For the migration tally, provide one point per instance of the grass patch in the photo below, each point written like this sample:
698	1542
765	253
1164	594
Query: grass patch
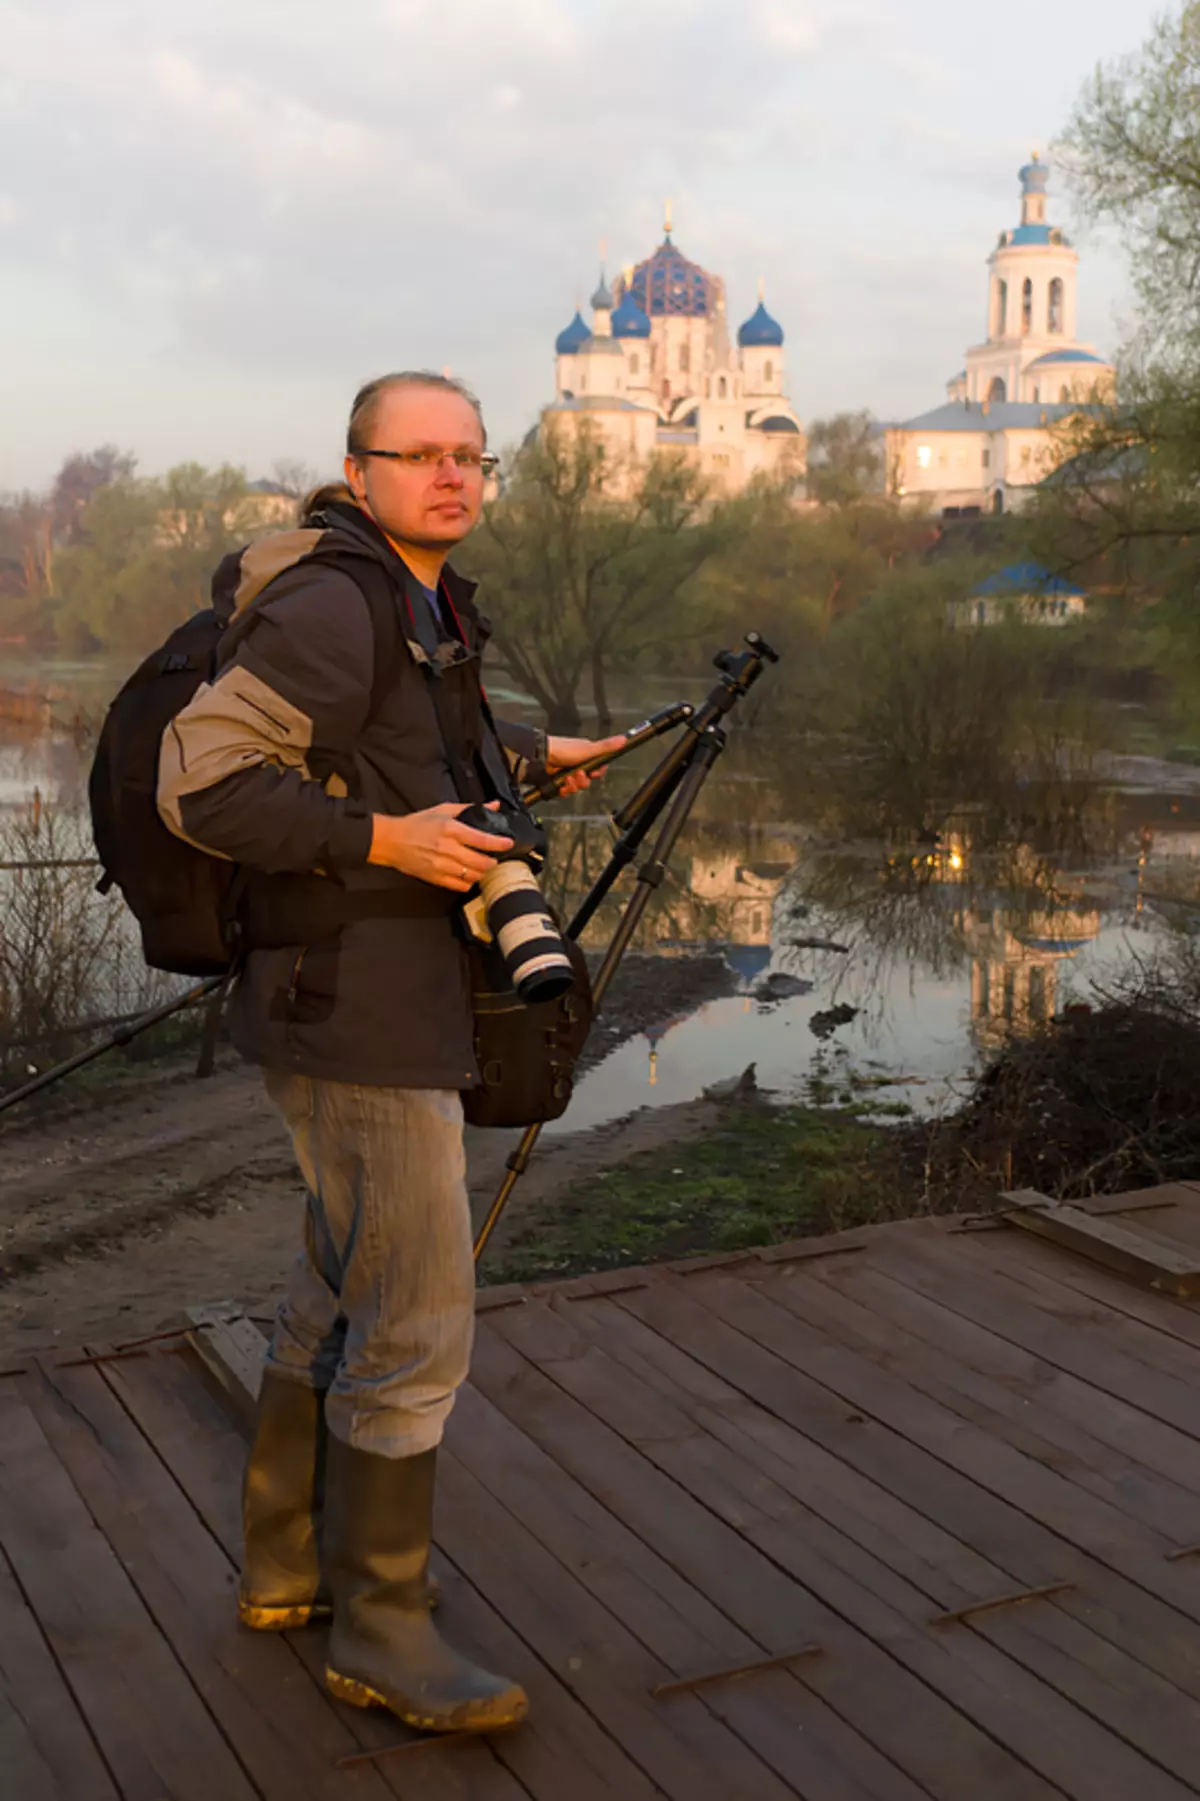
760	1176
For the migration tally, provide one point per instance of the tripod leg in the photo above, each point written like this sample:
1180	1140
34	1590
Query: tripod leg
516	1166
708	748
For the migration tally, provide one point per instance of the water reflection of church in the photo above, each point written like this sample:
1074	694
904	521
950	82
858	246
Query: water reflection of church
1017	949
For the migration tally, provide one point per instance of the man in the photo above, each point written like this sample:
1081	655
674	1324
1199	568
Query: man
332	776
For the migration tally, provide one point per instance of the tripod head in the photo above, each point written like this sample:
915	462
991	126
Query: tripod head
740	669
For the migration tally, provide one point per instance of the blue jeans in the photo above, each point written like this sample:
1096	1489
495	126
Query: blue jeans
380	1307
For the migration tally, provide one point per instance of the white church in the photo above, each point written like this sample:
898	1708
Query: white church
658	371
1005	424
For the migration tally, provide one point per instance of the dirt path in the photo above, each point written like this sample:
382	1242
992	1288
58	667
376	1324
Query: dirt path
123	1208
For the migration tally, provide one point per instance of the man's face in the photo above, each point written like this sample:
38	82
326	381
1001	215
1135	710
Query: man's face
433	502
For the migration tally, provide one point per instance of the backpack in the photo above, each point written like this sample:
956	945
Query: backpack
187	901
184	900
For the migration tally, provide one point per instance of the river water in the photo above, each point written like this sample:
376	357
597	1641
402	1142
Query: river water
888	960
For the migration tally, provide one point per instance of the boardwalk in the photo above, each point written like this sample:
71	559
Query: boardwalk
938	1486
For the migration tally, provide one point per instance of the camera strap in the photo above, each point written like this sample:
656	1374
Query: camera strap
433	655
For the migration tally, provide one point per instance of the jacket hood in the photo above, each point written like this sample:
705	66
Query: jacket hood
340	531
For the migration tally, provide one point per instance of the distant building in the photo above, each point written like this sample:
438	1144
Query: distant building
1002	428
657	371
1025	591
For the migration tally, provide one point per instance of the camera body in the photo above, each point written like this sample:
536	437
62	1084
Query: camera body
517	917
529	844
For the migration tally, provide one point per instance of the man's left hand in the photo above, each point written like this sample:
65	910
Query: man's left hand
567	753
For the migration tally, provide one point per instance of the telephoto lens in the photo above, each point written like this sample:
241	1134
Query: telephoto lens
518	918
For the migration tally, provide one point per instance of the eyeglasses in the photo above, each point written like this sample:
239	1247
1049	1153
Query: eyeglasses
431	458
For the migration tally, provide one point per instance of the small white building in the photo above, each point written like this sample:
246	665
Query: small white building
657	371
1004	425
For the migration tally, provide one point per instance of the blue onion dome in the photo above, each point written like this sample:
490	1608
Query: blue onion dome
629	321
667	283
760	329
577	332
602	299
1035	176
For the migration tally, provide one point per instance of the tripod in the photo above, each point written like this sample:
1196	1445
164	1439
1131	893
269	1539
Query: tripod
671	789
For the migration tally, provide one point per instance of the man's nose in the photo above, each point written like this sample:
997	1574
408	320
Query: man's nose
449	475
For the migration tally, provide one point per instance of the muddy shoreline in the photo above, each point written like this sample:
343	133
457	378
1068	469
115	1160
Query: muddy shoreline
125	1201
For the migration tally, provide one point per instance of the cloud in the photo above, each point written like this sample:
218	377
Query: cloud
272	198
786	25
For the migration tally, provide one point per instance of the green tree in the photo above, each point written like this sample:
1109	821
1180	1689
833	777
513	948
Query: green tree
845	458
1122	512
145	554
589	565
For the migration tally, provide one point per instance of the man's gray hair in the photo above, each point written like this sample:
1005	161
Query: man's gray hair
365	410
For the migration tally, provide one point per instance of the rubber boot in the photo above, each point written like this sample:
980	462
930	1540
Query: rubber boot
384	1650
282	1508
282	1503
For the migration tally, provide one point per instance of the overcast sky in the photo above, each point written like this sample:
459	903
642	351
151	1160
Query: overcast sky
218	216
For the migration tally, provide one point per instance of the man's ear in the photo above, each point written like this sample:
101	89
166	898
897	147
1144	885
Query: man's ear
352	469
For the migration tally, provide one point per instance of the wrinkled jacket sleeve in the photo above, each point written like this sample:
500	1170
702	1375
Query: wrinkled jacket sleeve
525	746
233	770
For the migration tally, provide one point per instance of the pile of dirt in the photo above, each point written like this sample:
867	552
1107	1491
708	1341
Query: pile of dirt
1094	1103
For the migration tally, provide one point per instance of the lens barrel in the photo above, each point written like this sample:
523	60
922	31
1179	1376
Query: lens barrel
530	942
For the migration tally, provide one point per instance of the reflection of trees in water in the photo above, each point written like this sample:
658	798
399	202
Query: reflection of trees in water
720	888
1000	887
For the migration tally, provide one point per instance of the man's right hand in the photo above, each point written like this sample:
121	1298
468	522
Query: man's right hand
434	846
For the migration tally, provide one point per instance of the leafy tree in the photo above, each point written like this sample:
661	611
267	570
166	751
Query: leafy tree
1122	513
145	554
588	566
82	476
845	459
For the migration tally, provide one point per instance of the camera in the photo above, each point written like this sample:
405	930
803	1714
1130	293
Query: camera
516	914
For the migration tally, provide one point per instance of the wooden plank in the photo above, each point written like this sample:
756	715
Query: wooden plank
1117	1247
1029	1493
790	1727
581	1745
935	1351
1142	1466
150	1725
232	1349
202	1446
1151	1370
1100	1674
46	1751
283	1727
685	1498
1162	1313
684	1749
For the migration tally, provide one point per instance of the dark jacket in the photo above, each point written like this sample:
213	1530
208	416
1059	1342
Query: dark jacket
246	772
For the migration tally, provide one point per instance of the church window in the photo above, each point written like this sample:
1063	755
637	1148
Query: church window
1027	305
768	371
1064	394
685	358
998	389
987	457
722	388
1055	310
1037	395
1001	308
634	365
582	381
924	455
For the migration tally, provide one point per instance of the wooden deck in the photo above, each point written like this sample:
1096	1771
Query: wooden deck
942	1485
